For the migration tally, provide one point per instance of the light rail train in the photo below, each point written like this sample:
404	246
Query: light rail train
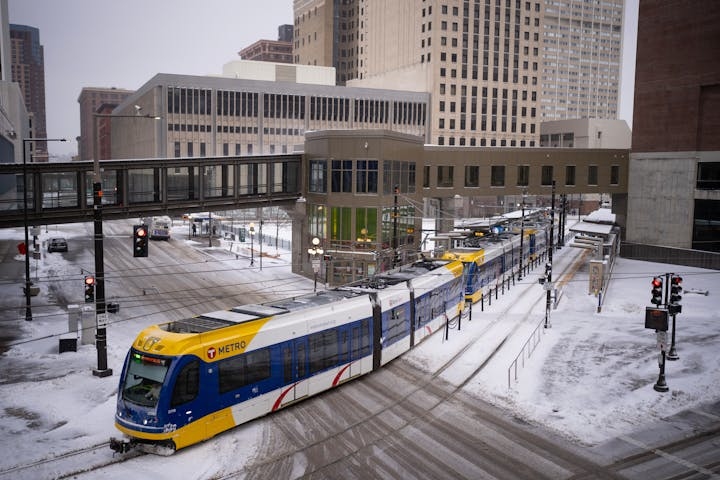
487	259
186	381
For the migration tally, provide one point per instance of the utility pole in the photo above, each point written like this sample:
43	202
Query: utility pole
395	228
100	311
548	267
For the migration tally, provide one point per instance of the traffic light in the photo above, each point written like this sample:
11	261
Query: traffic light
657	291
140	241
675	289
89	289
675	297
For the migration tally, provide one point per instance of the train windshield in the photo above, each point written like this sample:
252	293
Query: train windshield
144	378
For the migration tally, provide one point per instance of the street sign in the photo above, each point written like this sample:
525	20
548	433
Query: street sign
656	318
315	265
101	320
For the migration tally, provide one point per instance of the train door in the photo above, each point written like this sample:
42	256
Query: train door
355	351
413	319
295	370
359	346
376	332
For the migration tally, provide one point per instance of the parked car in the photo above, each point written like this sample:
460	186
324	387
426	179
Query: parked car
58	244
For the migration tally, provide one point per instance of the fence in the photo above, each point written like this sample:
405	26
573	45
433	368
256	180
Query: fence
671	255
528	348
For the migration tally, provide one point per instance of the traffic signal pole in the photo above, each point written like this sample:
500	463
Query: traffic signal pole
100	312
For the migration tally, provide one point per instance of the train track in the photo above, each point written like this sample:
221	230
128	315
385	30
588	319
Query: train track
67	464
281	462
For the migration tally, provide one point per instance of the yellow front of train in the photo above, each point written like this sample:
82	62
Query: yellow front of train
163	402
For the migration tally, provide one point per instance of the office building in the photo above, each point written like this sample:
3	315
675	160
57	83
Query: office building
255	108
674	169
90	100
28	70
278	51
494	69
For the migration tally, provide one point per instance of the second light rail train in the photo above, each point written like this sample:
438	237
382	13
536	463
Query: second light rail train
489	258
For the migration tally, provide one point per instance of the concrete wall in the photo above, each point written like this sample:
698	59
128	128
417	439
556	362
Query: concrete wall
661	196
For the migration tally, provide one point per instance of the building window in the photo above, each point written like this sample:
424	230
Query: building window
706	225
523	175
472	176
397	173
367	176
341	176
546	176
366	224
317	220
445	176
592	175
318	175
339	224
570	175
614	174
177	149
708	176
497	176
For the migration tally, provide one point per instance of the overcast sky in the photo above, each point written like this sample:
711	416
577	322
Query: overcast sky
106	43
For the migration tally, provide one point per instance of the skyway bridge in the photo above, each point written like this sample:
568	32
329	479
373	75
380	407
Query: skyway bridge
62	192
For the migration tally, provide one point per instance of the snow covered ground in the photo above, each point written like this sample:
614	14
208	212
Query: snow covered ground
590	377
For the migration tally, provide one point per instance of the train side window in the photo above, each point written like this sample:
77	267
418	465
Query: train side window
365	337
258	365
243	370
187	384
323	350
343	346
302	360
396	326
355	343
231	373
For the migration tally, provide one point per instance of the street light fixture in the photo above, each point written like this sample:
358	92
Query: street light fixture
28	307
252	234
315	251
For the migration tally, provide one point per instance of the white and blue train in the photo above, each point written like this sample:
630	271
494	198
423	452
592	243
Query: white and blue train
185	381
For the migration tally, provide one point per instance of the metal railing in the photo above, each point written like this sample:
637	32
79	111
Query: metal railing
527	349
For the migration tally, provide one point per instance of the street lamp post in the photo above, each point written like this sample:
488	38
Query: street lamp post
100	307
260	240
315	251
251	230
28	307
